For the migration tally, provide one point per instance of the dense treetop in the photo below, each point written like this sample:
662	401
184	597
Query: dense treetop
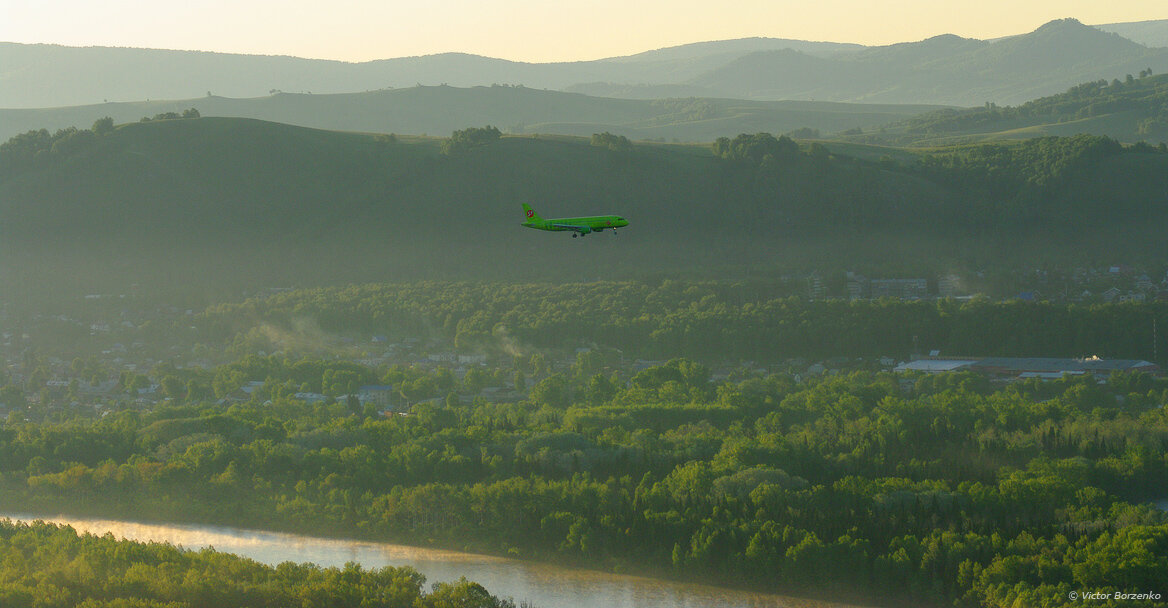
714	321
53	567
937	490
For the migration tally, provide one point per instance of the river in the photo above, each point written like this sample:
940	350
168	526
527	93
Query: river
542	585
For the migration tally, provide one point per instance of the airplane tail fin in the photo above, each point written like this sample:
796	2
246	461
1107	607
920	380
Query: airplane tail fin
530	213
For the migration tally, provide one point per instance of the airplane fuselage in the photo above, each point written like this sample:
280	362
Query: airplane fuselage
595	223
579	226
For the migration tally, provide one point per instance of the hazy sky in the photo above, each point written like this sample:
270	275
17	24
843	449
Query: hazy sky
526	30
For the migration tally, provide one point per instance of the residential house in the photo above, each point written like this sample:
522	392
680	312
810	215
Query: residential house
379	394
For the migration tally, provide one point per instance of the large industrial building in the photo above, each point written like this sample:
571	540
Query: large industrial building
1028	367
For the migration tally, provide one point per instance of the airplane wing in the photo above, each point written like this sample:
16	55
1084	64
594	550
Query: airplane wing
580	229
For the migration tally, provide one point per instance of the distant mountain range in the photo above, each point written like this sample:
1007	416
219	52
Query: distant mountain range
944	70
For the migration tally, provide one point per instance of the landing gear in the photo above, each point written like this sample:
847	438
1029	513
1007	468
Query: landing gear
574	235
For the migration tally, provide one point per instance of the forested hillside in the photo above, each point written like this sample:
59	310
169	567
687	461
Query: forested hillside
1133	109
229	202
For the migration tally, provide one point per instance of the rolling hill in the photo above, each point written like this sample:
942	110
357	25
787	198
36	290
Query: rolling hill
1148	33
1130	110
224	204
943	70
442	109
42	75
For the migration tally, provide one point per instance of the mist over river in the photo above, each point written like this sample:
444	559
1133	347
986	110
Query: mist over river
542	585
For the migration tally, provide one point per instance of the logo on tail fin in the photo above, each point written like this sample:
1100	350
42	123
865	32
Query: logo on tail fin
530	214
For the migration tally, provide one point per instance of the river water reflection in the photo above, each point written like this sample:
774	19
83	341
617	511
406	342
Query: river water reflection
542	585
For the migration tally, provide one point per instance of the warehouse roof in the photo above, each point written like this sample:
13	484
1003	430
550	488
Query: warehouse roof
1028	366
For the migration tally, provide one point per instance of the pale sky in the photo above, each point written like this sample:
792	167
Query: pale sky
525	30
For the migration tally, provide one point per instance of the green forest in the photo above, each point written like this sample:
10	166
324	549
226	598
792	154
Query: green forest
936	490
709	321
51	566
866	486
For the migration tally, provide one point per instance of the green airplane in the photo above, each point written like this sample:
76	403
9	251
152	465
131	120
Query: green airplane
580	226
